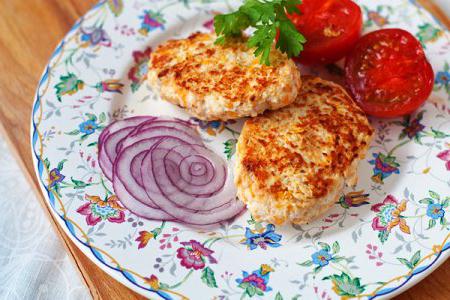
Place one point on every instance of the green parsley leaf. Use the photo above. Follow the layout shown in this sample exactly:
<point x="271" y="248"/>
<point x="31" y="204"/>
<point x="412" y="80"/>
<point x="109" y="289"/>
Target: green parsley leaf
<point x="257" y="12"/>
<point x="230" y="25"/>
<point x="290" y="41"/>
<point x="267" y="17"/>
<point x="291" y="6"/>
<point x="262" y="39"/>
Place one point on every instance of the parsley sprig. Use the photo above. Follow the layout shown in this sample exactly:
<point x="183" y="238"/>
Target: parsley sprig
<point x="267" y="17"/>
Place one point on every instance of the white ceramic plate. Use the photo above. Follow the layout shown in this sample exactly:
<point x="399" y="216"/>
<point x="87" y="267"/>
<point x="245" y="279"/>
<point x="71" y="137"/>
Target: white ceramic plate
<point x="381" y="238"/>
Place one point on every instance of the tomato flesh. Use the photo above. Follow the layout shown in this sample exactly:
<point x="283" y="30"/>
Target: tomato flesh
<point x="331" y="27"/>
<point x="388" y="73"/>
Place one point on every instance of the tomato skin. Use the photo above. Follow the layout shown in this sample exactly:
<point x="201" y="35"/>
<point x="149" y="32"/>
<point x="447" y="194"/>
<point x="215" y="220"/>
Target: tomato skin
<point x="388" y="74"/>
<point x="331" y="28"/>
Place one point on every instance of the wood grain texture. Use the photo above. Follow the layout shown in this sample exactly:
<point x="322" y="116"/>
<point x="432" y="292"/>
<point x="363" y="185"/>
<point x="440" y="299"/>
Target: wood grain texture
<point x="29" y="32"/>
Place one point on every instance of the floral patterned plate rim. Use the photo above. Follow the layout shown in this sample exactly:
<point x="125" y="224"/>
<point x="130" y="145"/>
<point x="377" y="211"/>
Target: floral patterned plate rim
<point x="395" y="221"/>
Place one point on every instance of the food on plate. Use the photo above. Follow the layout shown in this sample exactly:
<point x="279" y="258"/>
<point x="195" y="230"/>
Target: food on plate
<point x="221" y="83"/>
<point x="161" y="170"/>
<point x="388" y="73"/>
<point x="292" y="163"/>
<point x="331" y="28"/>
<point x="269" y="20"/>
<point x="109" y="139"/>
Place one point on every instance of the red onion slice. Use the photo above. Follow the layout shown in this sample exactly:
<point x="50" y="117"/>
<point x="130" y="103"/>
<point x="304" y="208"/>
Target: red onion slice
<point x="157" y="166"/>
<point x="179" y="125"/>
<point x="200" y="171"/>
<point x="138" y="208"/>
<point x="190" y="170"/>
<point x="166" y="121"/>
<point x="123" y="170"/>
<point x="162" y="171"/>
<point x="167" y="163"/>
<point x="109" y="139"/>
<point x="135" y="167"/>
<point x="107" y="154"/>
<point x="113" y="141"/>
<point x="160" y="131"/>
<point x="117" y="125"/>
<point x="182" y="214"/>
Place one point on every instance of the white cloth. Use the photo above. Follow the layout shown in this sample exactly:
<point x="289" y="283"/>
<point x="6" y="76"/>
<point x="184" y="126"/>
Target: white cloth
<point x="33" y="263"/>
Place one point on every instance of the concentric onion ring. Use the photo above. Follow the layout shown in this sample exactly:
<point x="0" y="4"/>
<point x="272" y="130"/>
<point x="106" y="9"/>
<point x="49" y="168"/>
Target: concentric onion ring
<point x="182" y="206"/>
<point x="109" y="139"/>
<point x="160" y="122"/>
<point x="162" y="171"/>
<point x="165" y="168"/>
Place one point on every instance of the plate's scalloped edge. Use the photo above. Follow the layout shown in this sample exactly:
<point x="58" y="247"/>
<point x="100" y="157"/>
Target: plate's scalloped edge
<point x="404" y="285"/>
<point x="94" y="255"/>
<point x="436" y="19"/>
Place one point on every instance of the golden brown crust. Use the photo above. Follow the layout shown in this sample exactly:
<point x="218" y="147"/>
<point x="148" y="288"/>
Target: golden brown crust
<point x="214" y="82"/>
<point x="301" y="154"/>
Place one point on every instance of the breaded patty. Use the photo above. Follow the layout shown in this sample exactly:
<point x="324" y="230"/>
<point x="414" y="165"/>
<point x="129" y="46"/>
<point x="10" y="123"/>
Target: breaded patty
<point x="293" y="163"/>
<point x="220" y="83"/>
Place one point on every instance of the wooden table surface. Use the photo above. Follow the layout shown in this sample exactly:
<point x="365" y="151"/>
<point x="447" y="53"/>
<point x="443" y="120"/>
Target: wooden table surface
<point x="29" y="32"/>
